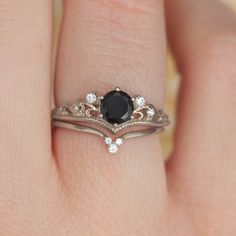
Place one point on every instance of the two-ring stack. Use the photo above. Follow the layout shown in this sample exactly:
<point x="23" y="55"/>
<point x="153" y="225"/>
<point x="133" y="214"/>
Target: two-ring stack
<point x="115" y="114"/>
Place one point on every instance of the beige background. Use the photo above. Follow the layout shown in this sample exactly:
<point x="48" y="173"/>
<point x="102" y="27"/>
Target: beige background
<point x="172" y="82"/>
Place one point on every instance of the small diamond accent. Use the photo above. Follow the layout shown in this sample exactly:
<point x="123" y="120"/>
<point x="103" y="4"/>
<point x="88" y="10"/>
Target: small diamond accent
<point x="139" y="101"/>
<point x="119" y="141"/>
<point x="108" y="140"/>
<point x="151" y="112"/>
<point x="112" y="148"/>
<point x="64" y="110"/>
<point x="91" y="98"/>
<point x="75" y="107"/>
<point x="160" y="115"/>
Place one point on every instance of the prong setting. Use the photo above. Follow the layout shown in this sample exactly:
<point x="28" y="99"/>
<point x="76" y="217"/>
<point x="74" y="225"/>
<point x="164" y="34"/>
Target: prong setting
<point x="113" y="145"/>
<point x="89" y="110"/>
<point x="139" y="101"/>
<point x="91" y="98"/>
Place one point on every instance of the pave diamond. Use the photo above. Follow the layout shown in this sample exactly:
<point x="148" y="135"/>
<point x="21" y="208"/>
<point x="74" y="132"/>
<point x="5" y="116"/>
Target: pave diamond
<point x="112" y="148"/>
<point x="119" y="141"/>
<point x="108" y="140"/>
<point x="139" y="101"/>
<point x="151" y="112"/>
<point x="91" y="98"/>
<point x="64" y="110"/>
<point x="75" y="107"/>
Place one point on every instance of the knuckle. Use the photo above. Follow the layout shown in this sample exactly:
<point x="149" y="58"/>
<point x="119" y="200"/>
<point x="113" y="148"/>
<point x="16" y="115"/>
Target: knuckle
<point x="17" y="15"/>
<point x="211" y="58"/>
<point x="223" y="42"/>
<point x="217" y="59"/>
<point x="120" y="12"/>
<point x="222" y="54"/>
<point x="125" y="4"/>
<point x="218" y="52"/>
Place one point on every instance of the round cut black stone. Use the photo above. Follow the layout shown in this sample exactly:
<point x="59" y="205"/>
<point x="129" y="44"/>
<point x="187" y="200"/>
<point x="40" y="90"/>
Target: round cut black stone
<point x="117" y="107"/>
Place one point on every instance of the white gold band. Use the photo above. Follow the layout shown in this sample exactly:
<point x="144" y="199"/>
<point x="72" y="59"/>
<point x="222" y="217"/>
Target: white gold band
<point x="116" y="112"/>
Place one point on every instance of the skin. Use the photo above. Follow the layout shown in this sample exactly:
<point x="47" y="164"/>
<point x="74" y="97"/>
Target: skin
<point x="54" y="182"/>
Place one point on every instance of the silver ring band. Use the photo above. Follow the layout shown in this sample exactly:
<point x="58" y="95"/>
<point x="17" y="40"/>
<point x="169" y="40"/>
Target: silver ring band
<point x="111" y="114"/>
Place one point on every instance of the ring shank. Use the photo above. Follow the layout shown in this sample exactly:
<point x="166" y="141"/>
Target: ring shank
<point x="91" y="130"/>
<point x="86" y="116"/>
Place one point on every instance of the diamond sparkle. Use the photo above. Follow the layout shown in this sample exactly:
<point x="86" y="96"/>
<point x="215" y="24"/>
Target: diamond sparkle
<point x="139" y="101"/>
<point x="91" y="98"/>
<point x="151" y="112"/>
<point x="119" y="141"/>
<point x="112" y="148"/>
<point x="108" y="140"/>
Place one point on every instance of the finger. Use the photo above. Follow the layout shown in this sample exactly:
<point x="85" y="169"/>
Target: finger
<point x="25" y="48"/>
<point x="105" y="44"/>
<point x="204" y="43"/>
<point x="25" y="152"/>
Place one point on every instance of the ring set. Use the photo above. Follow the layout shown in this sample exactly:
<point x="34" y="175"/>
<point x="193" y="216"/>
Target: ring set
<point x="114" y="114"/>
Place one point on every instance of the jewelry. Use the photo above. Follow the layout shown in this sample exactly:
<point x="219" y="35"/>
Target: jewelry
<point x="114" y="113"/>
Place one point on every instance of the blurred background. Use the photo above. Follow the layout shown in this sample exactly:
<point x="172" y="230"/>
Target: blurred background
<point x="173" y="80"/>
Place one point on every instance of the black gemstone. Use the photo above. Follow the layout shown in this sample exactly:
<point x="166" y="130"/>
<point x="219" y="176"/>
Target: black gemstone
<point x="117" y="107"/>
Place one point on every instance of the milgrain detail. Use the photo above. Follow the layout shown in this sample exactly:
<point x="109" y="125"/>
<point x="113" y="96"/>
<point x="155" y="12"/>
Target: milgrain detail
<point x="82" y="114"/>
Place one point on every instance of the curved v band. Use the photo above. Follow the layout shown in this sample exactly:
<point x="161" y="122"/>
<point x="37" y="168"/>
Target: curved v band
<point x="111" y="144"/>
<point x="116" y="111"/>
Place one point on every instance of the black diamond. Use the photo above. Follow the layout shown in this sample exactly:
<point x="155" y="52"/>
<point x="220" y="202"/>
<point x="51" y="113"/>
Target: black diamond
<point x="117" y="107"/>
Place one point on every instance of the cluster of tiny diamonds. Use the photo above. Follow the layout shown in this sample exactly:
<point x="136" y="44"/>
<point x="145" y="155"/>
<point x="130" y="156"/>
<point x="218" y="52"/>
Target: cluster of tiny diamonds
<point x="113" y="145"/>
<point x="142" y="114"/>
